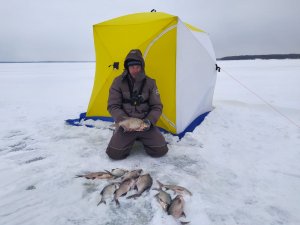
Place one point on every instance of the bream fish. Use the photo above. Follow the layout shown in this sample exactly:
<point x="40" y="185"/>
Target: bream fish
<point x="176" y="208"/>
<point x="124" y="187"/>
<point x="107" y="192"/>
<point x="132" y="174"/>
<point x="132" y="124"/>
<point x="117" y="172"/>
<point x="164" y="199"/>
<point x="143" y="183"/>
<point x="175" y="188"/>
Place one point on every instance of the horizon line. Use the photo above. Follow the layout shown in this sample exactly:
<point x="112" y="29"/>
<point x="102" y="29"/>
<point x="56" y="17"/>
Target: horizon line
<point x="48" y="61"/>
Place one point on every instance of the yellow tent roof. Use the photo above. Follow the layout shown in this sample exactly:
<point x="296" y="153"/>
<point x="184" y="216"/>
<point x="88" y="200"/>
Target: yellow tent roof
<point x="138" y="18"/>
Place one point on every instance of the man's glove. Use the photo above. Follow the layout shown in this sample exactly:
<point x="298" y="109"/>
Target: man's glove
<point x="147" y="124"/>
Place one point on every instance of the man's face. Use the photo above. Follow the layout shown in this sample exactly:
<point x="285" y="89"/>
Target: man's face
<point x="134" y="70"/>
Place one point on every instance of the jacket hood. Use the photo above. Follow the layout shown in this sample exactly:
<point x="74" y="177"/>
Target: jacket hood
<point x="134" y="55"/>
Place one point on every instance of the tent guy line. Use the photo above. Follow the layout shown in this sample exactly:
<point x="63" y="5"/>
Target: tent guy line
<point x="261" y="98"/>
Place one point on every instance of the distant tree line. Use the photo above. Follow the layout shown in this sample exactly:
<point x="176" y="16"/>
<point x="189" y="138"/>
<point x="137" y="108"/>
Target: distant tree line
<point x="270" y="56"/>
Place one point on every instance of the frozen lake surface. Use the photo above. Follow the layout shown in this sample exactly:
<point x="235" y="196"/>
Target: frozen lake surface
<point x="242" y="163"/>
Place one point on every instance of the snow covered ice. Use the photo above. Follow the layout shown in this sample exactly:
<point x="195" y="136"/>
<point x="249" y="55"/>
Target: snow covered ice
<point x="242" y="163"/>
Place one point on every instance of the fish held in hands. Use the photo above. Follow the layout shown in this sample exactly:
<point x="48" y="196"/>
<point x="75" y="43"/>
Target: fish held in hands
<point x="133" y="124"/>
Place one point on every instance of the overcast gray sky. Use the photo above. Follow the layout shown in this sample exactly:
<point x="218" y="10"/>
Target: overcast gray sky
<point x="42" y="30"/>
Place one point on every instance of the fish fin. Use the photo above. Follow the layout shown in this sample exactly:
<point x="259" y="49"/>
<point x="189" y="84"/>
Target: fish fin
<point x="86" y="177"/>
<point x="134" y="196"/>
<point x="156" y="189"/>
<point x="116" y="183"/>
<point x="190" y="193"/>
<point x="101" y="201"/>
<point x="110" y="174"/>
<point x="148" y="189"/>
<point x="83" y="175"/>
<point x="182" y="222"/>
<point x="167" y="208"/>
<point x="124" y="194"/>
<point x="183" y="214"/>
<point x="117" y="202"/>
<point x="160" y="184"/>
<point x="114" y="127"/>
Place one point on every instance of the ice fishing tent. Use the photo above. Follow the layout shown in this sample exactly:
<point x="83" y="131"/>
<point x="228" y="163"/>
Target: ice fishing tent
<point x="178" y="56"/>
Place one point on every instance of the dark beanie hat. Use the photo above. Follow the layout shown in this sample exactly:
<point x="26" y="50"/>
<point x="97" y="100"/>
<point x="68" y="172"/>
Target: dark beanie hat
<point x="133" y="62"/>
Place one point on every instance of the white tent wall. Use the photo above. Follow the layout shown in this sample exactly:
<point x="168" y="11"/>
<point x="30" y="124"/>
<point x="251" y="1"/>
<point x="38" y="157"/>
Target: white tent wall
<point x="205" y="40"/>
<point x="195" y="76"/>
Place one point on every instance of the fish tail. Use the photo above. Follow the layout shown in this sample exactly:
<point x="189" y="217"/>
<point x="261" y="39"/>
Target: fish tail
<point x="117" y="202"/>
<point x="166" y="209"/>
<point x="85" y="176"/>
<point x="101" y="201"/>
<point x="114" y="125"/>
<point x="109" y="173"/>
<point x="160" y="184"/>
<point x="190" y="193"/>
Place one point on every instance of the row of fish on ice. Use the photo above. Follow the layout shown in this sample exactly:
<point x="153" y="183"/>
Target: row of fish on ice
<point x="125" y="180"/>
